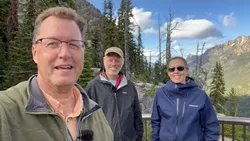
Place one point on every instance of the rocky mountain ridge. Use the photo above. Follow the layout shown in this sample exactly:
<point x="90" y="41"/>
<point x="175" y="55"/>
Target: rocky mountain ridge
<point x="234" y="55"/>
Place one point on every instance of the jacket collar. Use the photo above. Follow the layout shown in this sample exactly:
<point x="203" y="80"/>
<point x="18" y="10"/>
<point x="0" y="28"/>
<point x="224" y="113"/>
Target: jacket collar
<point x="123" y="81"/>
<point x="173" y="89"/>
<point x="37" y="103"/>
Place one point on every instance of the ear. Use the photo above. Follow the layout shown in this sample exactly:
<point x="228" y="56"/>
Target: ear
<point x="34" y="53"/>
<point x="168" y="73"/>
<point x="103" y="58"/>
<point x="123" y="60"/>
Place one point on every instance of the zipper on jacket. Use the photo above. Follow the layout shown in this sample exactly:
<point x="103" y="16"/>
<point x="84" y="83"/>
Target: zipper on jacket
<point x="183" y="111"/>
<point x="177" y="119"/>
<point x="118" y="117"/>
<point x="82" y="117"/>
<point x="68" y="135"/>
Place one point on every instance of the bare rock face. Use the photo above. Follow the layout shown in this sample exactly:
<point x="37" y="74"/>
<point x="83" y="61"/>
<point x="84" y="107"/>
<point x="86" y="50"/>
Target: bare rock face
<point x="146" y="101"/>
<point x="90" y="14"/>
<point x="146" y="104"/>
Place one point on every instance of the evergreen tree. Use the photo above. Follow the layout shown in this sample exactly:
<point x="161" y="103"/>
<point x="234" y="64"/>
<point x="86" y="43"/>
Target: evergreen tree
<point x="217" y="88"/>
<point x="3" y="39"/>
<point x="232" y="103"/>
<point x="110" y="28"/>
<point x="130" y="38"/>
<point x="157" y="71"/>
<point x="12" y="20"/>
<point x="87" y="73"/>
<point x="20" y="64"/>
<point x="140" y="70"/>
<point x="94" y="50"/>
<point x="2" y="62"/>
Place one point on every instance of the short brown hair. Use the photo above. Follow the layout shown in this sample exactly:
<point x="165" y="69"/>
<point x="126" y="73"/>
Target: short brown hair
<point x="59" y="12"/>
<point x="181" y="58"/>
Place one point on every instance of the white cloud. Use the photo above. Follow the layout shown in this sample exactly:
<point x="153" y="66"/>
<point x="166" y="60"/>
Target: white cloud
<point x="229" y="20"/>
<point x="177" y="47"/>
<point x="209" y="46"/>
<point x="142" y="18"/>
<point x="209" y="39"/>
<point x="190" y="29"/>
<point x="174" y="22"/>
<point x="175" y="42"/>
<point x="150" y="30"/>
<point x="152" y="52"/>
<point x="195" y="29"/>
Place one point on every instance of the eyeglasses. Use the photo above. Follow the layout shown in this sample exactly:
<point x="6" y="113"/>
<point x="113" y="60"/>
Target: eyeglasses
<point x="179" y="68"/>
<point x="53" y="44"/>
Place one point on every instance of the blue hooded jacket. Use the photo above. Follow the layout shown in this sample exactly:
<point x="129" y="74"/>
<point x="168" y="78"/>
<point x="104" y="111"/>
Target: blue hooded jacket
<point x="183" y="112"/>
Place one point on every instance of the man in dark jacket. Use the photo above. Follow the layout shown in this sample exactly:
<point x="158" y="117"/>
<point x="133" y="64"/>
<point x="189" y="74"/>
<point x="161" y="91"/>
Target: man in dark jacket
<point x="118" y="98"/>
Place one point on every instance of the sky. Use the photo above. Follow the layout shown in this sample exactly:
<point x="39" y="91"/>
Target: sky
<point x="210" y="21"/>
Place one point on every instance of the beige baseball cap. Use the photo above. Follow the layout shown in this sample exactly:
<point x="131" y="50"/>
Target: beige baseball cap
<point x="114" y="50"/>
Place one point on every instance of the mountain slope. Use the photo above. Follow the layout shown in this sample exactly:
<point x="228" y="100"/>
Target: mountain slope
<point x="234" y="56"/>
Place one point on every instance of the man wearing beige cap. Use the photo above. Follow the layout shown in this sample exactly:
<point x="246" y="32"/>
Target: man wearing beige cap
<point x="117" y="97"/>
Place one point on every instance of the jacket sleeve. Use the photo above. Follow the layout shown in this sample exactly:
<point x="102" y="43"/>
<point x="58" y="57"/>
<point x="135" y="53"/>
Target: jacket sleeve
<point x="138" y="118"/>
<point x="155" y="119"/>
<point x="5" y="134"/>
<point x="210" y="122"/>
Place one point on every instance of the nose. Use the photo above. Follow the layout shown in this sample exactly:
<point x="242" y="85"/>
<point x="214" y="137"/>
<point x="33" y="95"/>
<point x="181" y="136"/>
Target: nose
<point x="64" y="52"/>
<point x="176" y="70"/>
<point x="114" y="62"/>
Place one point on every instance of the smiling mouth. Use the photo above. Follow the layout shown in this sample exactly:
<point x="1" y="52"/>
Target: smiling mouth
<point x="64" y="67"/>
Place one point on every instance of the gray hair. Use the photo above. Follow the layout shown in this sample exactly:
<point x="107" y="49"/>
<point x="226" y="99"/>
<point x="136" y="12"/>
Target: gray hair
<point x="59" y="12"/>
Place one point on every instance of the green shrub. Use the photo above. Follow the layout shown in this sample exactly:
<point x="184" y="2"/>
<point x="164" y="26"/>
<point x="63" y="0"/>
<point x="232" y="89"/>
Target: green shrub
<point x="238" y="135"/>
<point x="151" y="92"/>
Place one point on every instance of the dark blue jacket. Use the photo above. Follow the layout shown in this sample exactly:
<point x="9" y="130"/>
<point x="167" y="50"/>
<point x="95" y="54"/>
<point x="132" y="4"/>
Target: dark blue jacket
<point x="183" y="112"/>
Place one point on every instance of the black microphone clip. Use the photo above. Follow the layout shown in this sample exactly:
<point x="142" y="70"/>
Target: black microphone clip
<point x="86" y="135"/>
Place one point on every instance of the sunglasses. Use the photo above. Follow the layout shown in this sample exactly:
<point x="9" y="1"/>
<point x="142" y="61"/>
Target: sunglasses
<point x="179" y="68"/>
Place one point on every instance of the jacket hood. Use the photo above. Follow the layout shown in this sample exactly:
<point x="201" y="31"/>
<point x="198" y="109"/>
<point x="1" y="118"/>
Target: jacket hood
<point x="179" y="88"/>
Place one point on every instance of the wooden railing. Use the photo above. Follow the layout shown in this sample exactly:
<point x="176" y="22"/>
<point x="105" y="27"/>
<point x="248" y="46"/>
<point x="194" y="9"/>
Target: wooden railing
<point x="233" y="121"/>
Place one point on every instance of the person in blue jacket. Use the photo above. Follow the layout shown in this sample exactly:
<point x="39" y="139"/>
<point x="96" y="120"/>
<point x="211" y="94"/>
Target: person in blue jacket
<point x="181" y="110"/>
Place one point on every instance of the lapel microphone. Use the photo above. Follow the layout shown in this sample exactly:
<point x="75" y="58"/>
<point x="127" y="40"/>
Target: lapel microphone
<point x="86" y="135"/>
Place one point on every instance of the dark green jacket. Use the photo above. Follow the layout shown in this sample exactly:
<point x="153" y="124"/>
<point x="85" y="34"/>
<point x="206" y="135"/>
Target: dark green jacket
<point x="26" y="116"/>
